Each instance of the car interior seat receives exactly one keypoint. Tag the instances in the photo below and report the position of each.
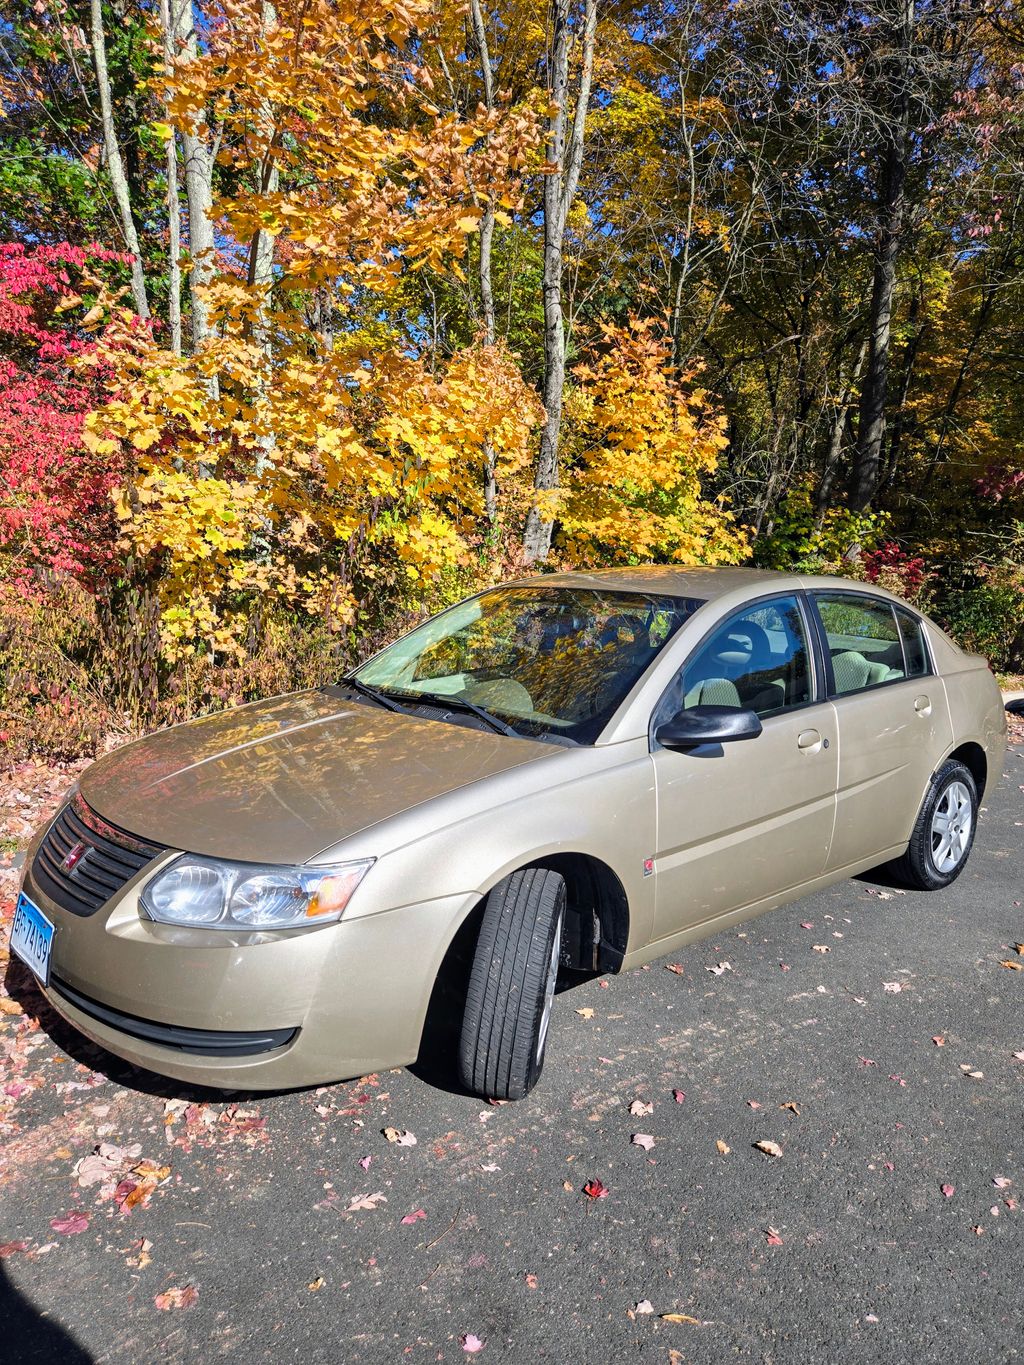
(852, 671)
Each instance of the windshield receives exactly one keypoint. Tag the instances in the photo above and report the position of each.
(547, 661)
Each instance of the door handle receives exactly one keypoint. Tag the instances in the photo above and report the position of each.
(923, 705)
(809, 741)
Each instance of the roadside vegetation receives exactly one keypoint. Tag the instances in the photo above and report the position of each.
(318, 314)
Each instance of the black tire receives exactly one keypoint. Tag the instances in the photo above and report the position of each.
(918, 866)
(501, 1050)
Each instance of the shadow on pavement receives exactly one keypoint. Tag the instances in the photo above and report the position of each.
(28, 1337)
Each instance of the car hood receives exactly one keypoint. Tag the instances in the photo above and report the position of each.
(281, 781)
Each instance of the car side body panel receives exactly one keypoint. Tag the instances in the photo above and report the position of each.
(739, 822)
(891, 739)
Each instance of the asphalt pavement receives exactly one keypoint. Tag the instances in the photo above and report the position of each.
(870, 1035)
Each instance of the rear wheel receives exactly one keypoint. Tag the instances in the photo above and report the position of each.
(944, 833)
(512, 985)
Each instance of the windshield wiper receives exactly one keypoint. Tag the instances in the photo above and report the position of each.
(462, 704)
(372, 694)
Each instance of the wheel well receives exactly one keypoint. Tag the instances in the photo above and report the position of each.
(597, 912)
(972, 756)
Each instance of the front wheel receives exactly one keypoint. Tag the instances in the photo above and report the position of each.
(944, 833)
(512, 984)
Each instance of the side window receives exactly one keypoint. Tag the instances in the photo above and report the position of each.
(863, 641)
(757, 660)
(915, 651)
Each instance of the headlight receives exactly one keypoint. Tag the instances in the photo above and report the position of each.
(222, 895)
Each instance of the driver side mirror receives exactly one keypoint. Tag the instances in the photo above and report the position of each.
(707, 725)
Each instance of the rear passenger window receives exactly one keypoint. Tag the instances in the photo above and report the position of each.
(914, 649)
(863, 640)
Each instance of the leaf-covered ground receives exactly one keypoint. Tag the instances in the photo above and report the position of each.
(800, 1141)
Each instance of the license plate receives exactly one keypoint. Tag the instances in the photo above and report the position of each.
(32, 938)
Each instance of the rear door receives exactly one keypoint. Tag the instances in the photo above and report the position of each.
(744, 821)
(892, 715)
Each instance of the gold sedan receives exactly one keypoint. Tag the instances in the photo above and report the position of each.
(572, 773)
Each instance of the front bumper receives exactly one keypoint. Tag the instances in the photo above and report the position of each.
(288, 1009)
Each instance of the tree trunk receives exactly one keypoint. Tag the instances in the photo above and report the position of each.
(484, 266)
(115, 164)
(168, 24)
(564, 156)
(823, 497)
(198, 158)
(261, 254)
(888, 241)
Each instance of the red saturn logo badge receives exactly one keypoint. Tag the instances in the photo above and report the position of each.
(74, 856)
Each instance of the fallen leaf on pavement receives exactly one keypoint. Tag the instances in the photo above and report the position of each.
(568, 1186)
(719, 968)
(141, 1258)
(70, 1224)
(948, 1190)
(9, 1248)
(471, 1343)
(1001, 1181)
(939, 1041)
(316, 1284)
(639, 1107)
(806, 924)
(366, 1201)
(531, 1281)
(679, 1096)
(364, 1161)
(893, 987)
(769, 1148)
(414, 1217)
(791, 1107)
(753, 1104)
(643, 1140)
(820, 948)
(595, 1189)
(586, 1012)
(1013, 966)
(490, 1166)
(680, 1317)
(773, 1237)
(970, 1071)
(105, 1161)
(177, 1298)
(674, 967)
(723, 1148)
(400, 1137)
(644, 1306)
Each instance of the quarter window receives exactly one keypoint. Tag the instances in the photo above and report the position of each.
(757, 660)
(863, 641)
(914, 649)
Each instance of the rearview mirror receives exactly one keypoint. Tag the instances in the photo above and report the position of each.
(707, 725)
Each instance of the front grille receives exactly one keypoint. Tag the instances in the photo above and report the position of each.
(109, 859)
(201, 1041)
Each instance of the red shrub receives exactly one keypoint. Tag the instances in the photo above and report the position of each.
(55, 504)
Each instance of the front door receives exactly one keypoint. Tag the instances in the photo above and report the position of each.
(743, 821)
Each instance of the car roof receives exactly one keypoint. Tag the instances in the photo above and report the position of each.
(682, 581)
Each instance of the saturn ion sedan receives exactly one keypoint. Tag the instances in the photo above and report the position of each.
(576, 772)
